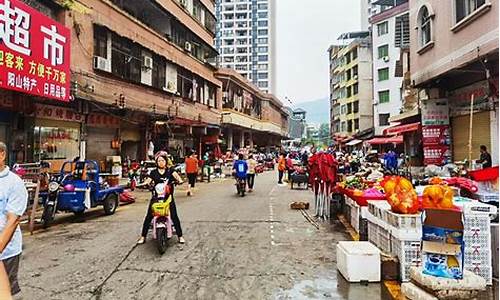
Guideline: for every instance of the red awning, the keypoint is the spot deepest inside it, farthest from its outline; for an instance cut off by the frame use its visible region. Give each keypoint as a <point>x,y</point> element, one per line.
<point>402,128</point>
<point>386,140</point>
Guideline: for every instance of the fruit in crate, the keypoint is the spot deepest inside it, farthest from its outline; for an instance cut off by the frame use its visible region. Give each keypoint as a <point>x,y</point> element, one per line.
<point>401,195</point>
<point>437,196</point>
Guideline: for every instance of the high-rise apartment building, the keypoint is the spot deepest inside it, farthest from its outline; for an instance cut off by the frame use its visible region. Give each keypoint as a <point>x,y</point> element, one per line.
<point>351,85</point>
<point>245,39</point>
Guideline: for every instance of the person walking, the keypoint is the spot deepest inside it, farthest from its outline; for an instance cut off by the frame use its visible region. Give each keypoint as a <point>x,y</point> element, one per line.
<point>281,168</point>
<point>252,163</point>
<point>191,171</point>
<point>13,202</point>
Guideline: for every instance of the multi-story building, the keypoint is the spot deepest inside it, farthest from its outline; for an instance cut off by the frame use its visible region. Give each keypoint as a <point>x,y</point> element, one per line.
<point>351,108</point>
<point>250,117</point>
<point>245,40</point>
<point>454,60</point>
<point>296,123</point>
<point>390,34</point>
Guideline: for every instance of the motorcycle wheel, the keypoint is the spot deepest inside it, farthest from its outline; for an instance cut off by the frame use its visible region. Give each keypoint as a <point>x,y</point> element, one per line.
<point>48,212</point>
<point>161,238</point>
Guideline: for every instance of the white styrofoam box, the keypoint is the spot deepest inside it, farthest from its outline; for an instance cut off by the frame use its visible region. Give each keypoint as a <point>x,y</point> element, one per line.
<point>363,211</point>
<point>488,196</point>
<point>413,292</point>
<point>494,249</point>
<point>358,261</point>
<point>478,208</point>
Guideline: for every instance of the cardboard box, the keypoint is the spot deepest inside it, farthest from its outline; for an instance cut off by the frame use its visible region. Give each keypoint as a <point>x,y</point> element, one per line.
<point>442,243</point>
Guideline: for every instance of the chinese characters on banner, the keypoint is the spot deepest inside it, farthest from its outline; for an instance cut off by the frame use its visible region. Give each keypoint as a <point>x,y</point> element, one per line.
<point>67,114</point>
<point>34,52</point>
<point>436,138</point>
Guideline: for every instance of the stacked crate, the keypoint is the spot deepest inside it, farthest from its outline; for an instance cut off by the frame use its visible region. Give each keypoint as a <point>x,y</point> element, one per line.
<point>477,239</point>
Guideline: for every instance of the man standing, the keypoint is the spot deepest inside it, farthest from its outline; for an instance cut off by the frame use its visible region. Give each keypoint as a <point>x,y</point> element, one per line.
<point>13,202</point>
<point>191,171</point>
<point>485,158</point>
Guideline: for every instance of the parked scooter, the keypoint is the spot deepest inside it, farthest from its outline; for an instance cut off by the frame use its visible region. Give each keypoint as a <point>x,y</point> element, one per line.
<point>49,209</point>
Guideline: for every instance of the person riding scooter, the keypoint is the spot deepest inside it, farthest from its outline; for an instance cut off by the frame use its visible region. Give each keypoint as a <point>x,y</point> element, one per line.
<point>240,168</point>
<point>162,173</point>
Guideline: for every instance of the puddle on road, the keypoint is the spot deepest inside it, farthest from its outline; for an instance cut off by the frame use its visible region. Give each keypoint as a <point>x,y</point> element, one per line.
<point>332,286</point>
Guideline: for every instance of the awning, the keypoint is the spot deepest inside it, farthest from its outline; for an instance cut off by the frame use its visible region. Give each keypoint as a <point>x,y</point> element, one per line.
<point>402,128</point>
<point>386,140</point>
<point>354,142</point>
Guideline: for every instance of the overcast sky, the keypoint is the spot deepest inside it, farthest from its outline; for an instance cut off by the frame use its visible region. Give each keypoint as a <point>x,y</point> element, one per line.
<point>304,31</point>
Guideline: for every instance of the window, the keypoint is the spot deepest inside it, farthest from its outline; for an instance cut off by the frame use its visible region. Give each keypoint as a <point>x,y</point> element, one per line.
<point>382,28</point>
<point>383,51</point>
<point>262,14</point>
<point>354,53</point>
<point>383,119</point>
<point>356,124</point>
<point>355,107</point>
<point>262,23</point>
<point>262,76</point>
<point>262,58</point>
<point>262,67</point>
<point>348,75</point>
<point>262,84</point>
<point>56,143</point>
<point>100,42</point>
<point>262,49</point>
<point>402,32</point>
<point>349,126</point>
<point>355,89</point>
<point>349,92</point>
<point>355,72</point>
<point>262,32</point>
<point>424,22</point>
<point>343,126</point>
<point>159,72</point>
<point>383,74</point>
<point>343,110</point>
<point>262,41</point>
<point>126,59</point>
<point>349,108</point>
<point>383,97</point>
<point>262,6</point>
<point>464,8</point>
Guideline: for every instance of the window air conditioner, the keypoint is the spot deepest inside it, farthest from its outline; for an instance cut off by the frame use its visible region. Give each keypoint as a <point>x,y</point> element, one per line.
<point>355,77</point>
<point>147,62</point>
<point>386,58</point>
<point>102,64</point>
<point>187,46</point>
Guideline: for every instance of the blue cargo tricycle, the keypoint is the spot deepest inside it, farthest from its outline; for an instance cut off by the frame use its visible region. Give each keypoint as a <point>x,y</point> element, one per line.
<point>78,186</point>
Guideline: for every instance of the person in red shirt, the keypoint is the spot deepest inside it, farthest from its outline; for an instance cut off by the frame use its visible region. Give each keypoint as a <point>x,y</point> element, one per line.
<point>191,171</point>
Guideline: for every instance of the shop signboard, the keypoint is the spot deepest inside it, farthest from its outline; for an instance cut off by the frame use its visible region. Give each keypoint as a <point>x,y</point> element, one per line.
<point>69,115</point>
<point>34,52</point>
<point>436,135</point>
<point>460,98</point>
<point>437,154</point>
<point>435,112</point>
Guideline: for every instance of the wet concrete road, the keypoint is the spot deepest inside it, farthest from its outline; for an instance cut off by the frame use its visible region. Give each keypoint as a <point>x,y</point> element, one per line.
<point>237,248</point>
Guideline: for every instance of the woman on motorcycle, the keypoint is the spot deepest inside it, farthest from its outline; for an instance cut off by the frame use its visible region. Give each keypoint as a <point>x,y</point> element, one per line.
<point>162,173</point>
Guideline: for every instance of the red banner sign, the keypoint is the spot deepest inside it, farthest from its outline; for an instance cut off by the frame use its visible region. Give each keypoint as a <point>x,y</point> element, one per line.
<point>34,52</point>
<point>436,135</point>
<point>437,155</point>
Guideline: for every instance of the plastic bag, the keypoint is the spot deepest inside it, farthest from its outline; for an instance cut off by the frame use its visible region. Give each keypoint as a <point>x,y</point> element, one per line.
<point>401,195</point>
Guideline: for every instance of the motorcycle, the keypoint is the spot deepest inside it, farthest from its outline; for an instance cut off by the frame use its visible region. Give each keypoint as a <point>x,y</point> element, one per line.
<point>49,209</point>
<point>162,223</point>
<point>241,185</point>
<point>133,175</point>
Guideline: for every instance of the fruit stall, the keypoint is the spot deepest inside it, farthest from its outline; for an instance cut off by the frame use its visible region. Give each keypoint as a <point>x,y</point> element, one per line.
<point>430,230</point>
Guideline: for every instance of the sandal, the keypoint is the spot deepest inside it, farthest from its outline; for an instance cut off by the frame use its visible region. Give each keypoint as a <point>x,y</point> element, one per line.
<point>141,240</point>
<point>181,240</point>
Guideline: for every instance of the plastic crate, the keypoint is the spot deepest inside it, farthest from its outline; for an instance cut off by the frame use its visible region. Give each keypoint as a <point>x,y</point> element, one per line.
<point>481,269</point>
<point>384,238</point>
<point>403,221</point>
<point>409,255</point>
<point>373,233</point>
